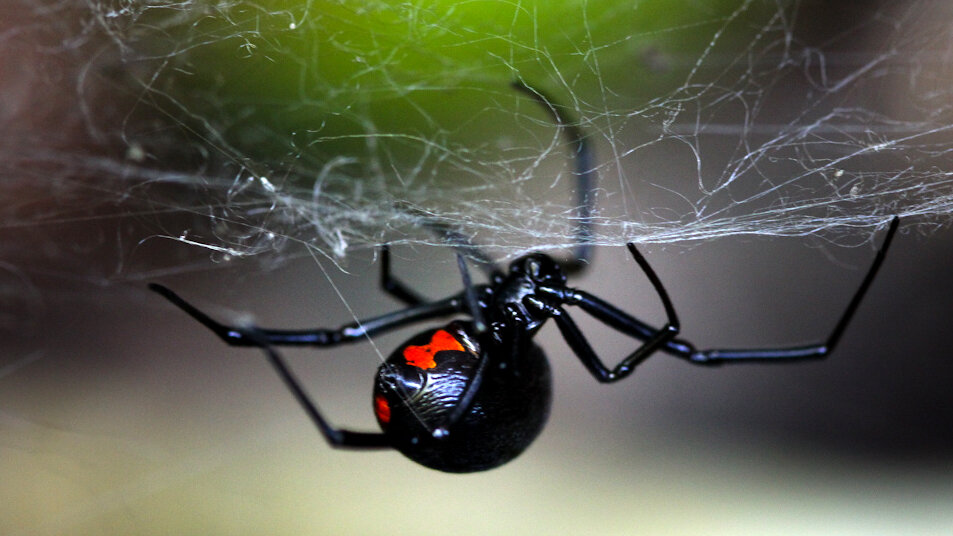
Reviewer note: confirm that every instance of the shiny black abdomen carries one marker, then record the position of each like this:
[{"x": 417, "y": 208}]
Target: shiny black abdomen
[{"x": 422, "y": 382}]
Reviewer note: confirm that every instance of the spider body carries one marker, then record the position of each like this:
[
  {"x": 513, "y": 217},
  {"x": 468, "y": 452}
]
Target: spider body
[
  {"x": 492, "y": 384},
  {"x": 473, "y": 394}
]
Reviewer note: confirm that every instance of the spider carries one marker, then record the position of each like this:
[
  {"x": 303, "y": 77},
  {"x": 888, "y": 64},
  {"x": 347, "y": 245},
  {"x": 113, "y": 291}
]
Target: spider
[{"x": 473, "y": 394}]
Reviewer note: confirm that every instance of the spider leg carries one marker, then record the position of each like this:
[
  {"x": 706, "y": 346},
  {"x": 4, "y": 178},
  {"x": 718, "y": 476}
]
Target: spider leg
[
  {"x": 815, "y": 351},
  {"x": 394, "y": 286},
  {"x": 402, "y": 292},
  {"x": 266, "y": 338},
  {"x": 625, "y": 323},
  {"x": 470, "y": 296},
  {"x": 399, "y": 290},
  {"x": 516, "y": 336},
  {"x": 585, "y": 173},
  {"x": 240, "y": 336},
  {"x": 458, "y": 240},
  {"x": 336, "y": 437},
  {"x": 653, "y": 339}
]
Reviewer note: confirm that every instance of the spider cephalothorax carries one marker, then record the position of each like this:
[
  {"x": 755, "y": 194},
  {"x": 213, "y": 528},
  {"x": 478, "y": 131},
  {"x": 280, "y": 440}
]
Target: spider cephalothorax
[{"x": 521, "y": 293}]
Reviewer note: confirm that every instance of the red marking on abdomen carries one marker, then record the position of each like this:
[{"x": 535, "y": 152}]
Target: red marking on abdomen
[
  {"x": 382, "y": 409},
  {"x": 422, "y": 356}
]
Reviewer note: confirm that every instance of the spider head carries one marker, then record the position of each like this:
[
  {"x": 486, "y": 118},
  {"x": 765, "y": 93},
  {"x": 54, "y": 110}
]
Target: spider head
[{"x": 540, "y": 269}]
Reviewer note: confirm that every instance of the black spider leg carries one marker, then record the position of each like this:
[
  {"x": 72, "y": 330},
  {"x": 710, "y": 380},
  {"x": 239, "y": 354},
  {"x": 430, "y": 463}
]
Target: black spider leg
[
  {"x": 266, "y": 338},
  {"x": 817, "y": 350},
  {"x": 585, "y": 176},
  {"x": 470, "y": 296},
  {"x": 480, "y": 327},
  {"x": 394, "y": 286},
  {"x": 625, "y": 323},
  {"x": 653, "y": 341},
  {"x": 585, "y": 173},
  {"x": 455, "y": 238},
  {"x": 473, "y": 307},
  {"x": 353, "y": 332},
  {"x": 336, "y": 437},
  {"x": 466, "y": 398},
  {"x": 516, "y": 339},
  {"x": 401, "y": 291}
]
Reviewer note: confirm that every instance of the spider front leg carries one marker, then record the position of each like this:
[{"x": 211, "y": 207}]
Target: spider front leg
[
  {"x": 356, "y": 331},
  {"x": 394, "y": 286},
  {"x": 401, "y": 291},
  {"x": 654, "y": 339}
]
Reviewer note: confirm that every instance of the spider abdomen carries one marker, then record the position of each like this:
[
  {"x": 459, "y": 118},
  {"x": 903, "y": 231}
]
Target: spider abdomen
[{"x": 422, "y": 385}]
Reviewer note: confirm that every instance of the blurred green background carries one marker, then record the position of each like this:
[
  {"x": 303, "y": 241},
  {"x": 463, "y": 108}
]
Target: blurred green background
[{"x": 326, "y": 70}]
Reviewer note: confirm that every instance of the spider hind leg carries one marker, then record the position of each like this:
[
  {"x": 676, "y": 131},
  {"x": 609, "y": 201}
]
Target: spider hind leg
[
  {"x": 251, "y": 336},
  {"x": 811, "y": 351}
]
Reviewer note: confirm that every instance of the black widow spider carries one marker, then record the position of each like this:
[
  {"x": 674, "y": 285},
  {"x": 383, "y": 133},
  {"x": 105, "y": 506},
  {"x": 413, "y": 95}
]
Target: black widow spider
[{"x": 473, "y": 394}]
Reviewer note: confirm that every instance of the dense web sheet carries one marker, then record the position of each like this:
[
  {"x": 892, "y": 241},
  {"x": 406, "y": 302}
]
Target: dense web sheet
[{"x": 733, "y": 121}]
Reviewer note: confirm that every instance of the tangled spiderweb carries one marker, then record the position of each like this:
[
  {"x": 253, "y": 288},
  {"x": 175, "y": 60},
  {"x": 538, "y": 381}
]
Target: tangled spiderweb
[{"x": 743, "y": 118}]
